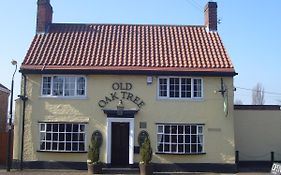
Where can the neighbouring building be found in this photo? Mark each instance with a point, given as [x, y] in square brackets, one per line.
[257, 132]
[4, 98]
[174, 82]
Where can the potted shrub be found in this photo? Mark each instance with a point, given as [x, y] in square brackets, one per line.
[94, 165]
[145, 165]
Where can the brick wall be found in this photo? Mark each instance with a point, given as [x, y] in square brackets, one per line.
[4, 98]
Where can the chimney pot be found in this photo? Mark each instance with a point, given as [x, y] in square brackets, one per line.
[210, 13]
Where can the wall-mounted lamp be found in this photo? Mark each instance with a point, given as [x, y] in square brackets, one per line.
[120, 108]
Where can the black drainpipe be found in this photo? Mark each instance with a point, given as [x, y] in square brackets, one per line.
[24, 99]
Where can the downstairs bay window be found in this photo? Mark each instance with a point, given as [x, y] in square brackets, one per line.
[62, 137]
[180, 138]
[180, 88]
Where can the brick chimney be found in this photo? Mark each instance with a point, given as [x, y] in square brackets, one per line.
[211, 16]
[44, 15]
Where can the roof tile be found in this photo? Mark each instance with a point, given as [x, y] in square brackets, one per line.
[131, 47]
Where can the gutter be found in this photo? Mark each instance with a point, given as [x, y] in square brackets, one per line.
[24, 99]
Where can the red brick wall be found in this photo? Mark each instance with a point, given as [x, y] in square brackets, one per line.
[4, 98]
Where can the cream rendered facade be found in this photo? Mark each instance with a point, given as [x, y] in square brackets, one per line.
[219, 145]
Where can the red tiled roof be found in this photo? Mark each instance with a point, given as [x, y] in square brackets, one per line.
[127, 47]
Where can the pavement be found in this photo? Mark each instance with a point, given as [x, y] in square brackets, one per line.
[83, 172]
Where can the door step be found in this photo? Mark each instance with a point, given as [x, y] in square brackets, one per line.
[120, 170]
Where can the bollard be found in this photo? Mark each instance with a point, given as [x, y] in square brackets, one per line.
[272, 157]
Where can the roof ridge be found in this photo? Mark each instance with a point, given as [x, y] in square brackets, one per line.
[123, 24]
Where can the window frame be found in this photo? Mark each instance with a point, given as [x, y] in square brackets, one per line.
[183, 134]
[180, 88]
[65, 139]
[64, 90]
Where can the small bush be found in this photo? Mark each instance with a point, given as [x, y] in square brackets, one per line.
[93, 152]
[146, 151]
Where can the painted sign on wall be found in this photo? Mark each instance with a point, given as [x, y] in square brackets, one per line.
[122, 91]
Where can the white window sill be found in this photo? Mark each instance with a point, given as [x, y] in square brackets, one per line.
[181, 99]
[64, 98]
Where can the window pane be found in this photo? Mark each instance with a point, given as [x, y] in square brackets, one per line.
[200, 129]
[187, 148]
[180, 148]
[62, 127]
[55, 127]
[163, 87]
[167, 129]
[187, 129]
[69, 86]
[81, 86]
[174, 138]
[166, 147]
[81, 137]
[58, 86]
[185, 87]
[74, 146]
[46, 87]
[187, 139]
[193, 139]
[74, 137]
[180, 138]
[42, 127]
[55, 146]
[48, 136]
[82, 128]
[68, 146]
[61, 137]
[174, 148]
[160, 147]
[193, 148]
[81, 147]
[42, 146]
[174, 129]
[49, 127]
[61, 146]
[55, 136]
[167, 138]
[75, 127]
[68, 137]
[160, 129]
[197, 87]
[68, 127]
[180, 129]
[174, 87]
[42, 136]
[160, 138]
[48, 145]
[193, 129]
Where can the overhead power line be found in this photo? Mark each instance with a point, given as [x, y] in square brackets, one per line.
[266, 92]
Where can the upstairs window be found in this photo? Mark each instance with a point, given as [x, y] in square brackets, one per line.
[66, 86]
[180, 88]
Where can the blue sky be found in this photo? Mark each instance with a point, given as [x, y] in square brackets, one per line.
[250, 31]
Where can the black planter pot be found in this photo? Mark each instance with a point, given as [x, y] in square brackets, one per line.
[146, 169]
[94, 168]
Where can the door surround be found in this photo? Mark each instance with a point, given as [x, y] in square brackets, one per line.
[109, 122]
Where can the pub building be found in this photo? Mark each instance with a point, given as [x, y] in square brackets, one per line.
[173, 82]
